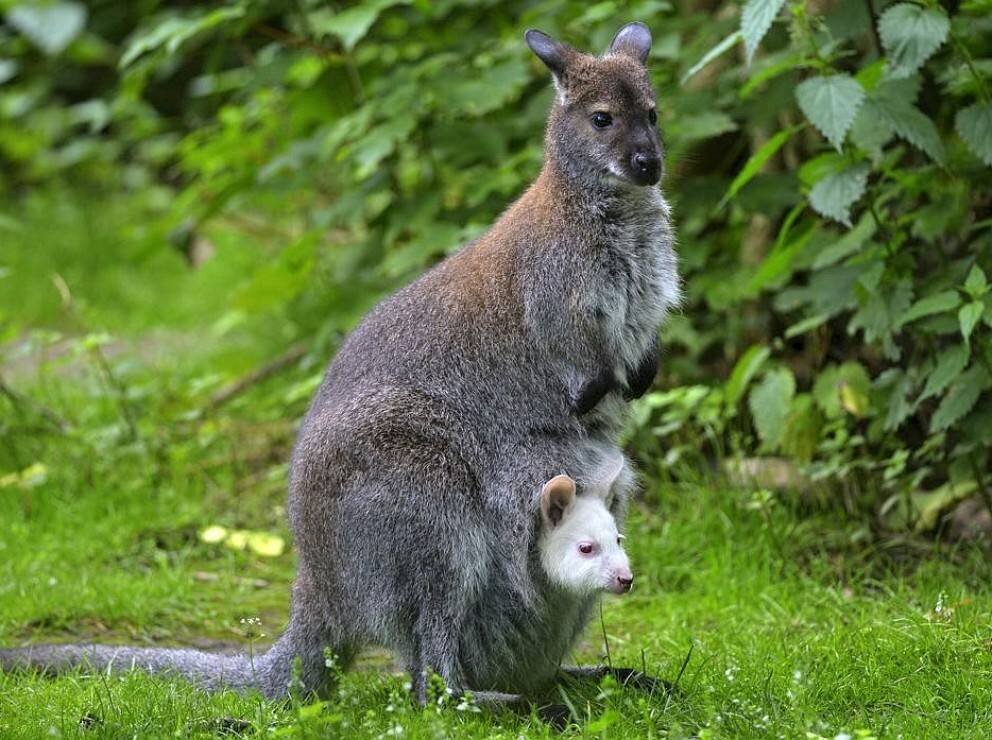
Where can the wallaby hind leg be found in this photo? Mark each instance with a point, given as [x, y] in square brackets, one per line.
[298, 661]
[436, 649]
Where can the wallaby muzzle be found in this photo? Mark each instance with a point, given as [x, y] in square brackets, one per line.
[645, 168]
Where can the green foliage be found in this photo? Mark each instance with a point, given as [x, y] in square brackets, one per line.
[829, 176]
[830, 104]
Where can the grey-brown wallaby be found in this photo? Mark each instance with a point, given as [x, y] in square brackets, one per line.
[416, 479]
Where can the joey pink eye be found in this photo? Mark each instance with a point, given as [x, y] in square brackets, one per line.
[586, 548]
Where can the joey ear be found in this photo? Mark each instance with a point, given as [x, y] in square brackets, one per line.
[557, 496]
[553, 53]
[634, 40]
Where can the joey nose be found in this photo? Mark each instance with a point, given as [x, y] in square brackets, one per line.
[646, 167]
[625, 580]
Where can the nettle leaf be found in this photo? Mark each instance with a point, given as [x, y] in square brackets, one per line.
[353, 24]
[50, 27]
[910, 35]
[974, 125]
[769, 403]
[174, 32]
[946, 300]
[899, 408]
[960, 399]
[976, 284]
[968, 316]
[756, 19]
[880, 312]
[895, 110]
[949, 365]
[834, 195]
[869, 132]
[830, 104]
[840, 388]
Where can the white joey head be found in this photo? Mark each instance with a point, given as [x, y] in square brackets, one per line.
[581, 550]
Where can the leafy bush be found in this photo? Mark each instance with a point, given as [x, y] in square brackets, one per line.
[829, 167]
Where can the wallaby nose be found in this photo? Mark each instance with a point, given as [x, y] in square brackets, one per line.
[624, 582]
[647, 167]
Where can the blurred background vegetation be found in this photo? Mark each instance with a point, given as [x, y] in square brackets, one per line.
[225, 188]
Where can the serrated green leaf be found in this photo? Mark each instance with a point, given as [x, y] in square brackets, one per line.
[8, 70]
[910, 35]
[745, 369]
[950, 364]
[847, 244]
[870, 132]
[976, 284]
[960, 399]
[830, 104]
[769, 403]
[50, 27]
[968, 316]
[899, 408]
[756, 19]
[834, 195]
[974, 125]
[174, 32]
[756, 162]
[843, 388]
[946, 300]
[352, 24]
[722, 47]
[895, 110]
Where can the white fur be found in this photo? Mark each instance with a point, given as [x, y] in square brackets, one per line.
[587, 521]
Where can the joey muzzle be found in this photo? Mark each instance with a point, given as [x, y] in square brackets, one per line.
[622, 581]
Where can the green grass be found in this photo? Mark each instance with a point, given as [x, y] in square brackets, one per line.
[798, 622]
[800, 631]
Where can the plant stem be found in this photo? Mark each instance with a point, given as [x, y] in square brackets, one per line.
[983, 90]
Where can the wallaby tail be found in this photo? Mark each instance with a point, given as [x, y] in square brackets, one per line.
[209, 670]
[272, 673]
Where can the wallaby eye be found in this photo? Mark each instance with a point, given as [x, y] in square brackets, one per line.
[601, 119]
[653, 116]
[586, 548]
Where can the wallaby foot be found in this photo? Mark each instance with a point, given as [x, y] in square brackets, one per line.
[556, 715]
[629, 677]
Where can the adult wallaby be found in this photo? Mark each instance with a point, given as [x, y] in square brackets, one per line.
[416, 474]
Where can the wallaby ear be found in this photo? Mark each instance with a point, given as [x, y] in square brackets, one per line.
[553, 53]
[557, 496]
[607, 475]
[634, 40]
